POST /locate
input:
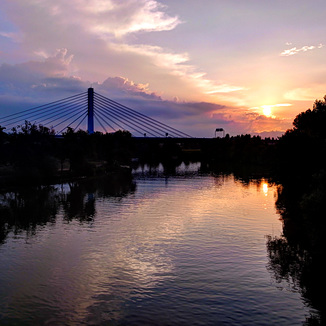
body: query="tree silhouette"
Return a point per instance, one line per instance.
(302, 149)
(300, 253)
(312, 122)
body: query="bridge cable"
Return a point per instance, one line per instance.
(107, 113)
(154, 124)
(85, 115)
(80, 122)
(40, 107)
(126, 115)
(145, 117)
(61, 115)
(100, 123)
(49, 115)
(121, 114)
(115, 119)
(99, 118)
(46, 112)
(70, 115)
(110, 119)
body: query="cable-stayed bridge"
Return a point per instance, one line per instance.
(96, 111)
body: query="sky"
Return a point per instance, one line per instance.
(247, 66)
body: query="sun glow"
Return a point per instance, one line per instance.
(267, 110)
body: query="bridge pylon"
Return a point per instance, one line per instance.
(90, 111)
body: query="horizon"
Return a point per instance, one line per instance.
(248, 68)
(54, 121)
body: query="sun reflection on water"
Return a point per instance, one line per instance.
(265, 188)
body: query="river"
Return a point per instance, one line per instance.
(185, 249)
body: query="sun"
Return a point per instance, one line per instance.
(267, 111)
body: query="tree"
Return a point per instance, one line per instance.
(302, 149)
(31, 151)
(3, 135)
(312, 122)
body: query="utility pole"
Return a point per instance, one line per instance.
(90, 112)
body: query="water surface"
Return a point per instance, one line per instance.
(183, 250)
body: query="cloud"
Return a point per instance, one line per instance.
(178, 65)
(121, 18)
(121, 86)
(159, 56)
(306, 94)
(16, 37)
(267, 110)
(56, 65)
(32, 83)
(112, 31)
(49, 24)
(261, 124)
(103, 18)
(294, 50)
(223, 88)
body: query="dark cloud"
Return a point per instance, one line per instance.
(36, 79)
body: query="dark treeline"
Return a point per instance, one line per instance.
(32, 154)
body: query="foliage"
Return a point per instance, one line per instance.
(34, 154)
(299, 255)
(312, 122)
(302, 150)
(240, 153)
(302, 160)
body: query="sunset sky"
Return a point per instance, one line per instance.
(248, 66)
